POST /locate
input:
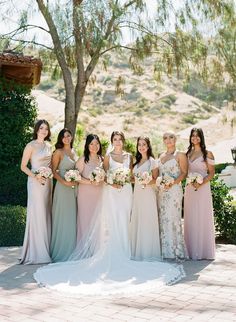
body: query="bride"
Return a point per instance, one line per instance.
(103, 264)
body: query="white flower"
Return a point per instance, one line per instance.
(44, 172)
(164, 180)
(72, 175)
(119, 176)
(98, 175)
(144, 178)
(194, 177)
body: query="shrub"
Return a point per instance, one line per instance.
(17, 116)
(220, 166)
(12, 225)
(224, 210)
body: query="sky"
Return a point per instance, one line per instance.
(9, 22)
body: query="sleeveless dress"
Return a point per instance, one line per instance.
(170, 211)
(144, 227)
(89, 199)
(38, 223)
(199, 229)
(63, 216)
(110, 270)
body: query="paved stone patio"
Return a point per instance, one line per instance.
(208, 293)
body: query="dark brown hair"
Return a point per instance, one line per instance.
(202, 142)
(89, 139)
(149, 151)
(59, 144)
(36, 129)
(121, 134)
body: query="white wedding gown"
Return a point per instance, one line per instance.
(104, 266)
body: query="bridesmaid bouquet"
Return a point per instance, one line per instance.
(72, 176)
(194, 177)
(44, 172)
(119, 176)
(144, 178)
(164, 180)
(97, 175)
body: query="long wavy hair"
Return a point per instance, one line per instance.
(202, 142)
(89, 139)
(59, 144)
(36, 129)
(121, 134)
(138, 155)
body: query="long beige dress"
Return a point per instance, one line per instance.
(38, 224)
(144, 227)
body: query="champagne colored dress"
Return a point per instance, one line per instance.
(144, 228)
(38, 223)
(170, 211)
(199, 229)
(64, 210)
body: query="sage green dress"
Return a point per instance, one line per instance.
(64, 211)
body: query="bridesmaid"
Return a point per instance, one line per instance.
(198, 210)
(174, 164)
(38, 224)
(89, 193)
(145, 240)
(64, 199)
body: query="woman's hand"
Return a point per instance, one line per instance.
(117, 186)
(196, 185)
(70, 183)
(40, 179)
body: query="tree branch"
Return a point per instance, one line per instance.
(28, 42)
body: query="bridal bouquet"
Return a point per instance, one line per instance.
(164, 180)
(44, 172)
(194, 177)
(72, 176)
(144, 178)
(97, 175)
(119, 176)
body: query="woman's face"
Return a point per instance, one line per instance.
(117, 141)
(195, 139)
(94, 146)
(142, 146)
(42, 131)
(169, 139)
(67, 138)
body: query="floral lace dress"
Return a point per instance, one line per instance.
(170, 210)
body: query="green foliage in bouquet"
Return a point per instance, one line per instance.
(17, 116)
(224, 211)
(12, 225)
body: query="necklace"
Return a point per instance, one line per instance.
(170, 153)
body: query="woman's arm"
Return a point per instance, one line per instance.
(56, 159)
(80, 166)
(183, 164)
(24, 162)
(210, 168)
(106, 163)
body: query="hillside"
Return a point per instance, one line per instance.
(147, 107)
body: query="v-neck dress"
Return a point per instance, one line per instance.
(144, 227)
(199, 229)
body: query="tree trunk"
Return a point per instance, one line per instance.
(72, 107)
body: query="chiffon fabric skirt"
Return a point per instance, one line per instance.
(199, 229)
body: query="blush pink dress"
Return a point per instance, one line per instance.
(199, 229)
(89, 199)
